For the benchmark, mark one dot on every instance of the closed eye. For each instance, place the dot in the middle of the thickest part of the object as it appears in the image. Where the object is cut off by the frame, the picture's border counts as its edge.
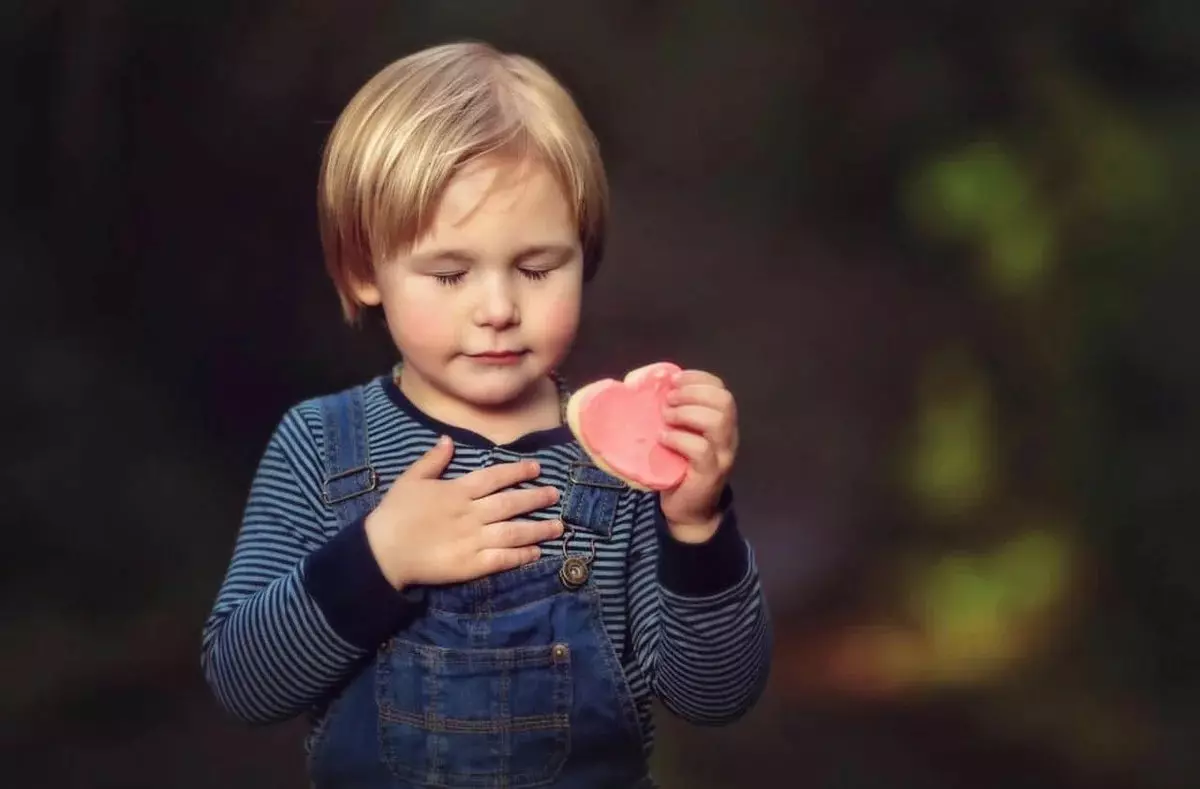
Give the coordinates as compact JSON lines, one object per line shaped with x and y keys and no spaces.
{"x":456,"y":277}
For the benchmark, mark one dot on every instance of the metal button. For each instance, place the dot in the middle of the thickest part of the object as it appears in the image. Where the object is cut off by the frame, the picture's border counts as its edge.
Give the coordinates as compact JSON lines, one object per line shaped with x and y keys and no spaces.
{"x":560,"y":651}
{"x":574,"y":572}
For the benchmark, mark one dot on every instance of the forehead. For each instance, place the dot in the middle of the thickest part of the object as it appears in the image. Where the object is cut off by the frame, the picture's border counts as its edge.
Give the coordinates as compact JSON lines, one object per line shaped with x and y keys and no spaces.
{"x":495,"y":200}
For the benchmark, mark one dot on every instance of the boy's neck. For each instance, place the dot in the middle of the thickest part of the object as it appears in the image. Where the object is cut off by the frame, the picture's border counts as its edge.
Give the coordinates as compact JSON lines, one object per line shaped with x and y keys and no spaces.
{"x":537,"y":409}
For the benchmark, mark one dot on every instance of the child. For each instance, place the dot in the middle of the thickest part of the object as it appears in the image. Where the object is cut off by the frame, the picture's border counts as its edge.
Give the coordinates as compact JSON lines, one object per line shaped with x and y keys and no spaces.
{"x":399,"y":572}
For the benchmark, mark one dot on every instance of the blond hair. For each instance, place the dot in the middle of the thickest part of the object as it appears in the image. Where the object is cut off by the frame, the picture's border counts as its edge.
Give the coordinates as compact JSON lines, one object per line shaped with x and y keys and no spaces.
{"x":413,"y":125}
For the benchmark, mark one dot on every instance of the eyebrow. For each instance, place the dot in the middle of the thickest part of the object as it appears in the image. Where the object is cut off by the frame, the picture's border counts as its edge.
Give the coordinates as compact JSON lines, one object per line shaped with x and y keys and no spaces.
{"x":465,"y":256}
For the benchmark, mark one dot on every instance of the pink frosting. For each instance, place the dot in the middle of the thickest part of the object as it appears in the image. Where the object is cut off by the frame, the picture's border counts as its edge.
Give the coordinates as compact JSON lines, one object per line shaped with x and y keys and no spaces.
{"x":621,"y":424}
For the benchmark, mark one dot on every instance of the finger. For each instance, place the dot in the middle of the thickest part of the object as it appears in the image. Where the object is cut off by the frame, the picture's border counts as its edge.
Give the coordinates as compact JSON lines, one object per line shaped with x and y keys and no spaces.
{"x":696,"y":448}
{"x":702,"y":394}
{"x":510,"y":503}
{"x":701,"y":419}
{"x":518,"y":534}
{"x":697,"y":377}
{"x":434,"y":462}
{"x":485,"y":481}
{"x":496,"y":560}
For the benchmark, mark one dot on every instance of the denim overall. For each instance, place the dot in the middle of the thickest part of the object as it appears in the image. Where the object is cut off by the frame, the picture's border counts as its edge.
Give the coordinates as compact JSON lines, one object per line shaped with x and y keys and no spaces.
{"x":507,"y":681}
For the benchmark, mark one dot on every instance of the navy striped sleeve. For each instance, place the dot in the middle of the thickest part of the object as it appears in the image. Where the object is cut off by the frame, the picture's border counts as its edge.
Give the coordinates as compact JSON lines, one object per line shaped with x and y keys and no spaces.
{"x":698,"y":619}
{"x":268,"y":651}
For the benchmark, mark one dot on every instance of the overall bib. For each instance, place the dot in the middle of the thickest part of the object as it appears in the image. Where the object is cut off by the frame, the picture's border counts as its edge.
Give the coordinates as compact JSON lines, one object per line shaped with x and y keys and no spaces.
{"x":508,"y":681}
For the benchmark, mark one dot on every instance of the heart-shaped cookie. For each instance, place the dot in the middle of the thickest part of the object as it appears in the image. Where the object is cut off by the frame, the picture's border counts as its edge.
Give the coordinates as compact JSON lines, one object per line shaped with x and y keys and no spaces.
{"x":618,"y":423}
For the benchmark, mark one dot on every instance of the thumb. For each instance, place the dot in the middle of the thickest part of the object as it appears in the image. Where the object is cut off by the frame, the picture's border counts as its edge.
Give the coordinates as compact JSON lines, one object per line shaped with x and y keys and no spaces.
{"x":434,"y":462}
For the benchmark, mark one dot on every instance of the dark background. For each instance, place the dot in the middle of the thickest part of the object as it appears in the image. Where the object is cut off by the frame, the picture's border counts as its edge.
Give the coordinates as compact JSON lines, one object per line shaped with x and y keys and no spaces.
{"x":942,"y":252}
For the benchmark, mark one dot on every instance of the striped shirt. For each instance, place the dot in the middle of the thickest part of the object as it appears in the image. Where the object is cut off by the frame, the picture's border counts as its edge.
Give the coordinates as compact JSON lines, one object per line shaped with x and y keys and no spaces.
{"x":303,"y":602}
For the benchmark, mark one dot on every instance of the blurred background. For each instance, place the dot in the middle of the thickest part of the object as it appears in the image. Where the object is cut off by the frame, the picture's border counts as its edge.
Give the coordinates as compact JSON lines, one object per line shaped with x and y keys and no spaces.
{"x":940,"y":251}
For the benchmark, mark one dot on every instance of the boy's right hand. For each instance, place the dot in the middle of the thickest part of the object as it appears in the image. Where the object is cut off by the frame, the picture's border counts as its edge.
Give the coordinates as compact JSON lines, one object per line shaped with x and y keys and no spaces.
{"x":428,"y":530}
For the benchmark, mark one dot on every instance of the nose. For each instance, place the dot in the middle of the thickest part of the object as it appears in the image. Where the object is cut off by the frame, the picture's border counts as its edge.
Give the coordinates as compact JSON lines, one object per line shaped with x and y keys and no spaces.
{"x":497,"y":306}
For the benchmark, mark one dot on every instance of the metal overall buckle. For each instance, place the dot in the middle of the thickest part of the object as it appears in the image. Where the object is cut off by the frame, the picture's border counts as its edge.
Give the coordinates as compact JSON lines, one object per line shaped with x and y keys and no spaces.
{"x":575,"y":570}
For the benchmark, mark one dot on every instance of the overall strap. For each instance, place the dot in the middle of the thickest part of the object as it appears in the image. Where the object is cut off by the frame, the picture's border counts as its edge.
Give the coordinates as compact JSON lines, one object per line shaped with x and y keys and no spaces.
{"x":349,"y":476}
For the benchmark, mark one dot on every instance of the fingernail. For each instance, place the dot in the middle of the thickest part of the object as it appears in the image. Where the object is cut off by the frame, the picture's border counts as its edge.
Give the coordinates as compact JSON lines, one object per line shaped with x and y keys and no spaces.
{"x":443,"y":441}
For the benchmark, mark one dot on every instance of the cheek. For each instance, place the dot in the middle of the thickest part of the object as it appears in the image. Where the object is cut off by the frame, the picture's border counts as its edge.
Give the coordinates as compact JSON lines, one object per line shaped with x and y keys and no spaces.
{"x":560,"y":318}
{"x":417,"y":321}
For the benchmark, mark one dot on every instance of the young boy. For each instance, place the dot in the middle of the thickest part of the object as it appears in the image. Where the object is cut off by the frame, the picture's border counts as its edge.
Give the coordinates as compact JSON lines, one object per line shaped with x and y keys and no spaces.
{"x":401,"y":567}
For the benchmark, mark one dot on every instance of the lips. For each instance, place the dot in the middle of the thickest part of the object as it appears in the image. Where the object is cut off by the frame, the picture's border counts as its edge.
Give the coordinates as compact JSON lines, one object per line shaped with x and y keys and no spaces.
{"x":498,"y":357}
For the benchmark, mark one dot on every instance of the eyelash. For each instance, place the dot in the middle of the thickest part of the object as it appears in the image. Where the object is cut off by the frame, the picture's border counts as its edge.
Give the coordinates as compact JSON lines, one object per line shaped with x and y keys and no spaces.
{"x":450,"y":280}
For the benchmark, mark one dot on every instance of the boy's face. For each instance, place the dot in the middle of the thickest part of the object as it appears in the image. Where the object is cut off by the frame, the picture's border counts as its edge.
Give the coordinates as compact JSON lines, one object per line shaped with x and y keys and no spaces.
{"x":487,"y":303}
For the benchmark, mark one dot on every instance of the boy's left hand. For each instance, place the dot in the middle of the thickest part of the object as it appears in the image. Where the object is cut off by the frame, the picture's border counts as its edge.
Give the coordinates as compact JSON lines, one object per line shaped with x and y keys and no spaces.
{"x":701,"y":418}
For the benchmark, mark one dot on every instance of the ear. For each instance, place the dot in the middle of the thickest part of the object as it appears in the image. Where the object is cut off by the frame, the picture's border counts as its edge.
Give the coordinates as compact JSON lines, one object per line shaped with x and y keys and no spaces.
{"x":366,"y":292}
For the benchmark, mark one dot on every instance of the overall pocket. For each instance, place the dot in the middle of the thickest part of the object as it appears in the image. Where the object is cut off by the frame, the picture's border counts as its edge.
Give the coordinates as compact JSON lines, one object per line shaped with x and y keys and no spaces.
{"x":474,"y":717}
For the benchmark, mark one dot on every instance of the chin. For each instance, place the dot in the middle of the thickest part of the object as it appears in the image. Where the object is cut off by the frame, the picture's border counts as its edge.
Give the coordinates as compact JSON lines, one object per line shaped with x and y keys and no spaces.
{"x":494,"y":394}
{"x":496,"y":388}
